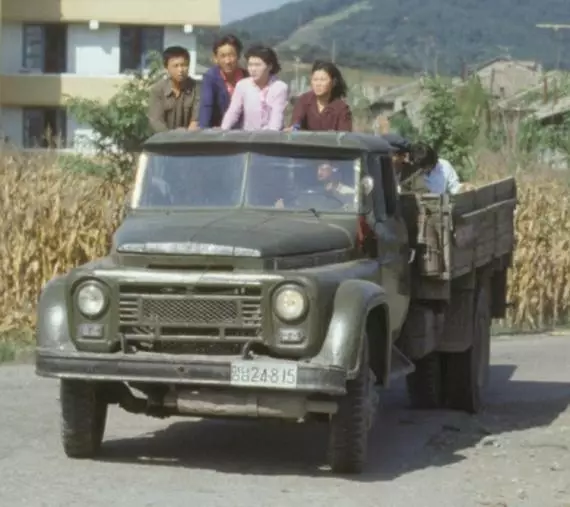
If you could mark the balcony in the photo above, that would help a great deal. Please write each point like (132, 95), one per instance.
(35, 89)
(145, 12)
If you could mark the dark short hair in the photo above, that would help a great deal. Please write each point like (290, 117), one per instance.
(230, 40)
(339, 88)
(267, 55)
(174, 52)
(423, 155)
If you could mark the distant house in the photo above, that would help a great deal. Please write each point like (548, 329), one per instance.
(504, 77)
(547, 100)
(553, 112)
(395, 99)
(408, 100)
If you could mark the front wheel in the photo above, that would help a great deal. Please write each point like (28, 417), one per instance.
(83, 418)
(349, 427)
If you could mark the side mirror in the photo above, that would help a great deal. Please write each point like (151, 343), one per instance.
(366, 187)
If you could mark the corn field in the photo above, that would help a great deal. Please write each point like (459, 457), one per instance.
(54, 220)
(539, 285)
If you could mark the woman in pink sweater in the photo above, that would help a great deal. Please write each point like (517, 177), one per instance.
(260, 99)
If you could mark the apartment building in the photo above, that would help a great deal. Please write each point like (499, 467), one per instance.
(53, 48)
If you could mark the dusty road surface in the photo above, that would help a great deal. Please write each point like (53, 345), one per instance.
(517, 453)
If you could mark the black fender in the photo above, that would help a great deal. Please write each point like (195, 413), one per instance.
(353, 304)
(52, 324)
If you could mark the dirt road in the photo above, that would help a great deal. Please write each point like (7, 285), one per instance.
(517, 453)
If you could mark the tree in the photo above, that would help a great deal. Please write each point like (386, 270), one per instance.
(120, 125)
(454, 119)
(401, 123)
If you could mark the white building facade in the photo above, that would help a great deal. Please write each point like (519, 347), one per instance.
(44, 60)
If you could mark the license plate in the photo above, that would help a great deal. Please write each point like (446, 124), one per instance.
(263, 374)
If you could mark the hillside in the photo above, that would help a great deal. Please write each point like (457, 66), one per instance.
(232, 10)
(403, 35)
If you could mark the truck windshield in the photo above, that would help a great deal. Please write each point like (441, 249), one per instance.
(246, 180)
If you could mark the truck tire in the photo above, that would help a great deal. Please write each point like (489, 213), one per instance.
(349, 427)
(83, 418)
(425, 384)
(466, 373)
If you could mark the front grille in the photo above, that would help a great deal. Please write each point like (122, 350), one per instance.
(184, 315)
(190, 311)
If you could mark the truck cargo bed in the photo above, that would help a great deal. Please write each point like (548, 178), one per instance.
(454, 235)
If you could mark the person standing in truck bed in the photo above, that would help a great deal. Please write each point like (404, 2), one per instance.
(220, 81)
(173, 102)
(434, 173)
(323, 107)
(261, 98)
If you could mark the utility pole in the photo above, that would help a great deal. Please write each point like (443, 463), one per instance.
(556, 28)
(431, 50)
(296, 65)
(436, 63)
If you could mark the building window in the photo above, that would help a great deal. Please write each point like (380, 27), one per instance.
(45, 48)
(137, 44)
(45, 127)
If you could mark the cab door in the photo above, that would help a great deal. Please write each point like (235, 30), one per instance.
(391, 237)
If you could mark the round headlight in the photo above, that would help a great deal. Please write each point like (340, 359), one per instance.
(290, 303)
(91, 300)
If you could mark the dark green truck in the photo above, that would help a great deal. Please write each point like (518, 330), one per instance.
(277, 275)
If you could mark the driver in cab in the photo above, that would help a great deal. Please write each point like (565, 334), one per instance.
(329, 182)
(329, 177)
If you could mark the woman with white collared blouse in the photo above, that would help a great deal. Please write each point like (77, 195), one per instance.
(261, 98)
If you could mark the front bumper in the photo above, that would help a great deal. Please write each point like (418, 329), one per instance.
(178, 369)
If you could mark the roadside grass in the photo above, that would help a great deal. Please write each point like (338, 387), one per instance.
(16, 345)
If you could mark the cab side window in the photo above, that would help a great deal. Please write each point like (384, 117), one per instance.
(390, 185)
(385, 187)
(378, 201)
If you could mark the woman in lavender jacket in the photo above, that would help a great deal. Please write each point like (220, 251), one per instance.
(261, 98)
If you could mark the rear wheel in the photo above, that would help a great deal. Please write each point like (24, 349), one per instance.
(424, 384)
(466, 373)
(83, 418)
(349, 427)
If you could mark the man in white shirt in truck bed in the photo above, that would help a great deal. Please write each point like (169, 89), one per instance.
(439, 176)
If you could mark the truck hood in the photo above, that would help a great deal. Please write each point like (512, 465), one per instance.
(244, 234)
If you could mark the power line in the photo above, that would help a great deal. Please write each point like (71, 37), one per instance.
(556, 27)
(553, 26)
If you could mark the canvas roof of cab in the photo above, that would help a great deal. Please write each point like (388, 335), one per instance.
(303, 139)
